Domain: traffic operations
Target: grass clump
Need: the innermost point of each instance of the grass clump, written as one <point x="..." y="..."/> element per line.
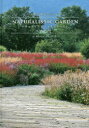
<point x="30" y="74"/>
<point x="70" y="86"/>
<point x="7" y="80"/>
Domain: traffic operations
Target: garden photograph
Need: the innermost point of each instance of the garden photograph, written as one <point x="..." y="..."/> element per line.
<point x="44" y="64"/>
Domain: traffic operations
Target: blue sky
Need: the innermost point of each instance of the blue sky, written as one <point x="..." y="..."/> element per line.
<point x="43" y="6"/>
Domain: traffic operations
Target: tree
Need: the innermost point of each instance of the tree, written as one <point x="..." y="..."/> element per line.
<point x="68" y="37"/>
<point x="76" y="13"/>
<point x="19" y="28"/>
<point x="68" y="31"/>
<point x="48" y="46"/>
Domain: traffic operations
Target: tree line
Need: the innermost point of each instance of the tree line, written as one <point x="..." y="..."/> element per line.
<point x="20" y="36"/>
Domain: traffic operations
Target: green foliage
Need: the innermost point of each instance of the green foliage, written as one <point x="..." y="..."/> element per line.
<point x="50" y="93"/>
<point x="30" y="74"/>
<point x="68" y="93"/>
<point x="77" y="13"/>
<point x="19" y="33"/>
<point x="2" y="48"/>
<point x="67" y="36"/>
<point x="62" y="93"/>
<point x="48" y="46"/>
<point x="84" y="67"/>
<point x="81" y="96"/>
<point x="70" y="34"/>
<point x="60" y="68"/>
<point x="26" y="75"/>
<point x="85" y="48"/>
<point x="65" y="92"/>
<point x="21" y="36"/>
<point x="6" y="80"/>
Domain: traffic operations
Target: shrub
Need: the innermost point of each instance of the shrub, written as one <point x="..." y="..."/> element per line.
<point x="70" y="46"/>
<point x="69" y="86"/>
<point x="48" y="46"/>
<point x="63" y="93"/>
<point x="2" y="48"/>
<point x="7" y="80"/>
<point x="81" y="95"/>
<point x="84" y="67"/>
<point x="30" y="74"/>
<point x="51" y="93"/>
<point x="85" y="48"/>
<point x="60" y="68"/>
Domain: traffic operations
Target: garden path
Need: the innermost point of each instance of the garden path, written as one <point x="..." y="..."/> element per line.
<point x="25" y="107"/>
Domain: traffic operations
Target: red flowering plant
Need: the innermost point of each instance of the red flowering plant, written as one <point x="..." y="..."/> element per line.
<point x="40" y="59"/>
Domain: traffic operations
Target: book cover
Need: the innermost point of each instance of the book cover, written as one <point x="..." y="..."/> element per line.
<point x="44" y="64"/>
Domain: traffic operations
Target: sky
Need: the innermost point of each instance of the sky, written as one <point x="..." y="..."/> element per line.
<point x="43" y="6"/>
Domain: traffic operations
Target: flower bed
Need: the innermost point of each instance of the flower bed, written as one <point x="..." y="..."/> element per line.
<point x="41" y="59"/>
<point x="56" y="63"/>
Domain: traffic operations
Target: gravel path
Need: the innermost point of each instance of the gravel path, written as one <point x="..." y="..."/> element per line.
<point x="24" y="107"/>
